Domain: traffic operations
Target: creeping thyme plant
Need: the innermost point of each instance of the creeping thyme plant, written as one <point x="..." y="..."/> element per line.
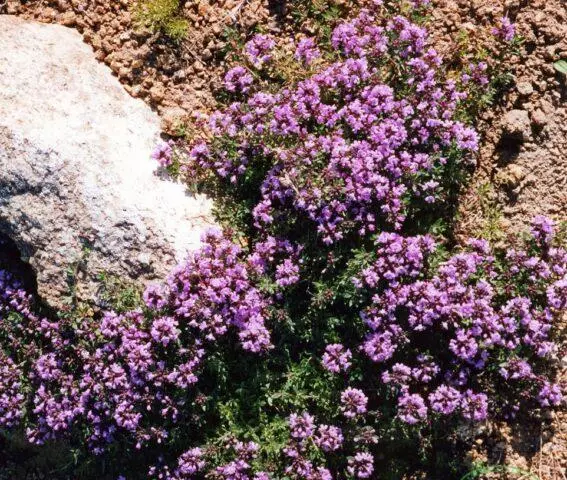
<point x="330" y="328"/>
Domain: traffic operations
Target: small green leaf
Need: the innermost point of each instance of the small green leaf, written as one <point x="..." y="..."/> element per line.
<point x="561" y="66"/>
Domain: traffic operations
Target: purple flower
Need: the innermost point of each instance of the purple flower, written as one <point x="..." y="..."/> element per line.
<point x="412" y="408"/>
<point x="400" y="374"/>
<point x="307" y="51"/>
<point x="549" y="395"/>
<point x="236" y="470"/>
<point x="301" y="426"/>
<point x="342" y="161"/>
<point x="329" y="438"/>
<point x="12" y="399"/>
<point x="212" y="291"/>
<point x="477" y="74"/>
<point x="543" y="230"/>
<point x="516" y="370"/>
<point x="445" y="400"/>
<point x="163" y="153"/>
<point x="246" y="451"/>
<point x="353" y="402"/>
<point x="255" y="337"/>
<point x="557" y="295"/>
<point x="320" y="474"/>
<point x="154" y="298"/>
<point x="262" y="476"/>
<point x="427" y="369"/>
<point x="380" y="346"/>
<point x="361" y="465"/>
<point x="474" y="406"/>
<point x="466" y="138"/>
<point x="258" y="48"/>
<point x="464" y="346"/>
<point x="505" y="31"/>
<point x="238" y="80"/>
<point x="47" y="367"/>
<point x="336" y="358"/>
<point x="420" y="3"/>
<point x="287" y="273"/>
<point x="164" y="330"/>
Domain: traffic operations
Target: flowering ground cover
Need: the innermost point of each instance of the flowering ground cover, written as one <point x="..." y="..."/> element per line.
<point x="331" y="324"/>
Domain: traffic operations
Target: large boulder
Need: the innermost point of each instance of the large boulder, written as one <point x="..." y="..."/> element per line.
<point x="78" y="191"/>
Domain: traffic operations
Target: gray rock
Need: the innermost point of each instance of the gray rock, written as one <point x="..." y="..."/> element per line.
<point x="525" y="89"/>
<point x="78" y="190"/>
<point x="516" y="125"/>
<point x="539" y="118"/>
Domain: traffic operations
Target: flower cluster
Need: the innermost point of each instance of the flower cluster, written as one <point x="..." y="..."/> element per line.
<point x="238" y="80"/>
<point x="506" y="30"/>
<point x="212" y="291"/>
<point x="277" y="257"/>
<point x="463" y="308"/>
<point x="258" y="49"/>
<point x="336" y="358"/>
<point x="189" y="464"/>
<point x="307" y="51"/>
<point x="163" y="153"/>
<point x="476" y="74"/>
<point x="19" y="327"/>
<point x="329" y="439"/>
<point x="305" y="433"/>
<point x="353" y="402"/>
<point x="132" y="366"/>
<point x="345" y="149"/>
<point x="240" y="467"/>
<point x="11" y="397"/>
<point x="361" y="465"/>
<point x="128" y="374"/>
<point x="192" y="462"/>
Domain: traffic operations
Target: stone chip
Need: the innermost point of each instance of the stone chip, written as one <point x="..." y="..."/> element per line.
<point x="516" y="125"/>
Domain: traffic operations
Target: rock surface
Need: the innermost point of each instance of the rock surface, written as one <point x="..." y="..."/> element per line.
<point x="78" y="192"/>
<point x="516" y="125"/>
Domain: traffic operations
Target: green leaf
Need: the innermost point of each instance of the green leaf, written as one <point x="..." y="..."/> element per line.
<point x="561" y="66"/>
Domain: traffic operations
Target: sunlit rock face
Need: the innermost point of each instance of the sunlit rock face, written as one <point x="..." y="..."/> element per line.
<point x="78" y="190"/>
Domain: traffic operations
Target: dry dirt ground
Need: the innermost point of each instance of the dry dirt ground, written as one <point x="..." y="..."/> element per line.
<point x="522" y="164"/>
<point x="522" y="172"/>
<point x="524" y="150"/>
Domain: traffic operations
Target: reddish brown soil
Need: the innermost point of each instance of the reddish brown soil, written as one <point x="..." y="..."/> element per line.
<point x="521" y="179"/>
